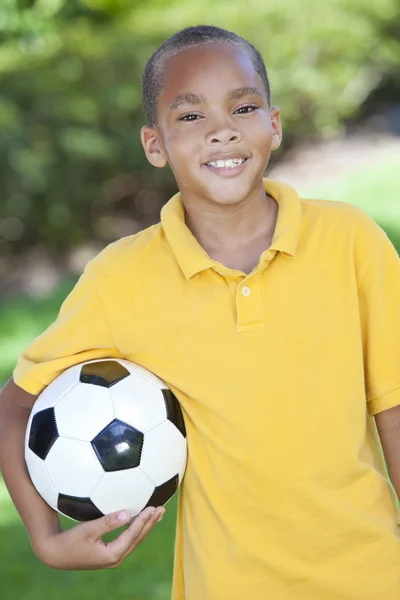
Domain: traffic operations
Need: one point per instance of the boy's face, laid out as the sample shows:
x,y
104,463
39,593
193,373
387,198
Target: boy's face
x,y
213,106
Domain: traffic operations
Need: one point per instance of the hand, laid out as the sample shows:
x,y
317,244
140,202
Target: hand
x,y
82,547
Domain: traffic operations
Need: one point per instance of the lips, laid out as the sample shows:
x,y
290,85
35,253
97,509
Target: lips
x,y
229,163
228,156
227,171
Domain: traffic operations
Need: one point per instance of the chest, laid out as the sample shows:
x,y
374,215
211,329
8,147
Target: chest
x,y
286,355
245,258
286,326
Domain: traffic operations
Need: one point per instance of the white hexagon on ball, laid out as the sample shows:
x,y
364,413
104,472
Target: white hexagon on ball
x,y
183,465
140,372
73,467
58,388
40,478
84,411
163,453
129,489
138,403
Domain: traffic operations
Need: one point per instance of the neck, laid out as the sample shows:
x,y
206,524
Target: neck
x,y
231,227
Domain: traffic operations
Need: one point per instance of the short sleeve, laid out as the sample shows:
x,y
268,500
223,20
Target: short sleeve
x,y
379,298
80,333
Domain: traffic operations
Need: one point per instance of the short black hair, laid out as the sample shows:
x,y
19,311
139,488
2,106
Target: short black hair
x,y
152,78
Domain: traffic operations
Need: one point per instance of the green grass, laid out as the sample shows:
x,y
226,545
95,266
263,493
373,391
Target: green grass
x,y
375,190
147,573
24,318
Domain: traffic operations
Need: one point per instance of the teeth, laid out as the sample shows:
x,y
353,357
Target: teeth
x,y
231,163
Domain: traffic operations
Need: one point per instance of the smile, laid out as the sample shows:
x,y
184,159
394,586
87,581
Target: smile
x,y
227,168
231,163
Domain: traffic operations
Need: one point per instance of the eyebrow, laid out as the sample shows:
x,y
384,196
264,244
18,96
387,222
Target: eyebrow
x,y
194,99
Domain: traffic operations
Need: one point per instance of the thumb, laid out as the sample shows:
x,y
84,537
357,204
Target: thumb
x,y
108,523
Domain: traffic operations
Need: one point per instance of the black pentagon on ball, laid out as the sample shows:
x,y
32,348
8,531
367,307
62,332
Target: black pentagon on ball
x,y
118,446
105,373
80,509
43,432
164,492
174,412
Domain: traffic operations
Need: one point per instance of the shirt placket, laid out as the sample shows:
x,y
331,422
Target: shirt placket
x,y
249,305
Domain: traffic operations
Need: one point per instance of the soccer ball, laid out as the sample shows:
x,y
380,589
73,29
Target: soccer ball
x,y
103,436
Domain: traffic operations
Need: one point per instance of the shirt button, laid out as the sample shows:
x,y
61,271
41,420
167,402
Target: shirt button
x,y
246,291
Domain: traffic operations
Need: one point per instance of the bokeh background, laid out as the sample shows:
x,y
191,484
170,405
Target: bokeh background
x,y
73,175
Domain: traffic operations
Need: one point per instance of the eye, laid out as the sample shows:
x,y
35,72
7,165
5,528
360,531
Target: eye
x,y
191,117
247,109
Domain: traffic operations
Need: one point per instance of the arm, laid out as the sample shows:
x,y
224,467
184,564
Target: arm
x,y
379,302
80,547
39,519
388,424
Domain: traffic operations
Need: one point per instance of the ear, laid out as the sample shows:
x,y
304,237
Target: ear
x,y
152,146
276,123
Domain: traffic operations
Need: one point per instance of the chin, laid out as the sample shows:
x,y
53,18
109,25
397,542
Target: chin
x,y
230,200
230,192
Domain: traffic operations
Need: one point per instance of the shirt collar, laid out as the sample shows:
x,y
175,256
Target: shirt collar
x,y
191,256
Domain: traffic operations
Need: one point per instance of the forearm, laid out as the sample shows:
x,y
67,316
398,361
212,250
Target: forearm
x,y
40,520
388,424
393,462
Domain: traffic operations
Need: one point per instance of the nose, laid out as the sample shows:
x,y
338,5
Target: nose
x,y
223,135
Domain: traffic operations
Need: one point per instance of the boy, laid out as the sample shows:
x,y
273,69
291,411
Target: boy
x,y
273,320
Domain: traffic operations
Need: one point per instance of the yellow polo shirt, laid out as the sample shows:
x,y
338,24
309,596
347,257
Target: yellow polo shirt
x,y
279,373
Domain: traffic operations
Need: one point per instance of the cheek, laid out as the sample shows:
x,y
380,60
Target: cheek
x,y
182,146
262,137
261,124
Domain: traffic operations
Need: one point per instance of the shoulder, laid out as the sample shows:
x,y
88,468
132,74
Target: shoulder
x,y
125,253
343,219
333,210
349,230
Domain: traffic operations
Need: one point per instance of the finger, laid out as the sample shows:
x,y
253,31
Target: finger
x,y
129,539
99,527
151,523
156,518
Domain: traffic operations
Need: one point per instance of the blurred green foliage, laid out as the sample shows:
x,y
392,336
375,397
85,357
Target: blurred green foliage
x,y
71,163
